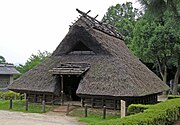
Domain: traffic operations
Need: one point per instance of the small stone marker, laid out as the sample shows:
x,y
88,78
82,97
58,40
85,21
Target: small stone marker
x,y
123,108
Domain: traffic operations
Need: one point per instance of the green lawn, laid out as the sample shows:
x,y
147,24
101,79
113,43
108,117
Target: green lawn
x,y
94,115
19,105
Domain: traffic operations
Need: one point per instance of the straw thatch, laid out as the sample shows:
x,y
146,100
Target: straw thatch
x,y
114,70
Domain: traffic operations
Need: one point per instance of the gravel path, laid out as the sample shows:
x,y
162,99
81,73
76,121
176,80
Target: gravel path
x,y
19,118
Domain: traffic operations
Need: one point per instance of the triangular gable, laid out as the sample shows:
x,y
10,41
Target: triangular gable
x,y
78,37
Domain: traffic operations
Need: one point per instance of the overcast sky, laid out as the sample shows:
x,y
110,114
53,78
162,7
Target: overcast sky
x,y
27,26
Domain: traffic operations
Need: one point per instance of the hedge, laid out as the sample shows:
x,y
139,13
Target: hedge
x,y
164,113
8,95
137,108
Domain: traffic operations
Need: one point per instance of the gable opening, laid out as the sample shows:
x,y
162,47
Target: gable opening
x,y
81,49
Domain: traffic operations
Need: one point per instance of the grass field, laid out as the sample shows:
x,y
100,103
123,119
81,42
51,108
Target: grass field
x,y
19,105
94,115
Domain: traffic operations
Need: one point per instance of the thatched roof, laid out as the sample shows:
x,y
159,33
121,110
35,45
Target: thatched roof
x,y
8,69
114,70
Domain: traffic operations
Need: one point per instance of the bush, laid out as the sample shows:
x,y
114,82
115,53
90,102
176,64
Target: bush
x,y
136,108
9,94
173,96
164,113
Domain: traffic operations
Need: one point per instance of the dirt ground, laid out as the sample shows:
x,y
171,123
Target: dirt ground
x,y
51,118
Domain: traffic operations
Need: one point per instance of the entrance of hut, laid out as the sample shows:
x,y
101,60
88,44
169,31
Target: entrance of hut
x,y
70,76
71,83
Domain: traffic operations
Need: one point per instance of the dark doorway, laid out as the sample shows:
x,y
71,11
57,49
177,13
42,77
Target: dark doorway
x,y
71,83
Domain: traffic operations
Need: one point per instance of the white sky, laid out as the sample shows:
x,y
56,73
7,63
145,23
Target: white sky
x,y
27,26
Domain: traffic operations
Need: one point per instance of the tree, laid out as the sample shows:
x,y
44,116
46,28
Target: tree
x,y
33,61
171,9
122,17
157,8
2,59
150,43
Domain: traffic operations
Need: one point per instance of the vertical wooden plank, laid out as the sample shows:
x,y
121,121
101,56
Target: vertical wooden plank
x,y
35,98
115,104
92,102
82,102
102,102
123,108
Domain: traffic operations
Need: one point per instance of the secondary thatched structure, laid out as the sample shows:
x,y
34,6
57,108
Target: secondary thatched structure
x,y
7,71
92,63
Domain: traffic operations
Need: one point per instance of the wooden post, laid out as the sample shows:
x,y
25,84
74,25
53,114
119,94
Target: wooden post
x,y
123,108
67,112
26,104
85,110
104,112
10,103
62,87
43,106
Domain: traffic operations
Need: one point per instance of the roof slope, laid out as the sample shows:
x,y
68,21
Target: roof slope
x,y
114,70
8,69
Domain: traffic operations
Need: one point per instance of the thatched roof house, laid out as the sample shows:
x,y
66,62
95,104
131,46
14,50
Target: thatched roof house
x,y
91,61
7,71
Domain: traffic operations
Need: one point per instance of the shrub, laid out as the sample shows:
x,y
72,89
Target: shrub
x,y
136,108
9,94
163,113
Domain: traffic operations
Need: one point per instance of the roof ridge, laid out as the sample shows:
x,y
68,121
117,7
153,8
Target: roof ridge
x,y
104,27
6,65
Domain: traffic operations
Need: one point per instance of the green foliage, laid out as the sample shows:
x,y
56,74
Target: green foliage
x,y
152,40
123,17
9,94
94,115
19,106
157,8
33,61
137,108
2,59
160,114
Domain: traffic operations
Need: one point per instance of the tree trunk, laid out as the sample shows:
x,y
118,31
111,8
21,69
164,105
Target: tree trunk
x,y
176,78
162,70
165,74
